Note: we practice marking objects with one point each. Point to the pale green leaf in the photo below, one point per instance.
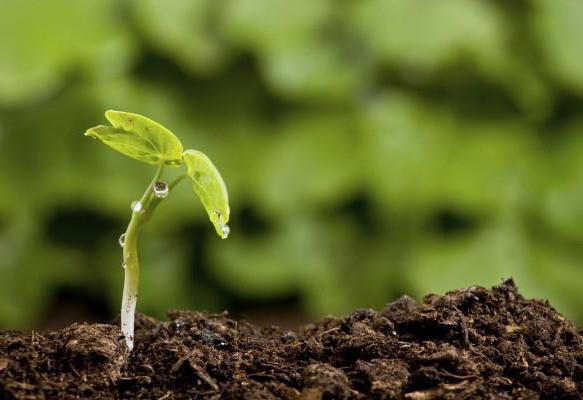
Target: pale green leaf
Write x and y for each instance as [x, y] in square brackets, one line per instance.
[139, 137]
[209, 186]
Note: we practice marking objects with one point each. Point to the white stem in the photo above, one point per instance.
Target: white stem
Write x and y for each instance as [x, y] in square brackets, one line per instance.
[128, 306]
[132, 264]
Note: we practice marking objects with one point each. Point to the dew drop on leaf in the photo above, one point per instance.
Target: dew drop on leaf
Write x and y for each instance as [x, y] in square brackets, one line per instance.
[222, 227]
[225, 230]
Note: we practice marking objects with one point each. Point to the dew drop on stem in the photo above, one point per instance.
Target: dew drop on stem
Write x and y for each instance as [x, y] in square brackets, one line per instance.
[122, 239]
[161, 189]
[136, 206]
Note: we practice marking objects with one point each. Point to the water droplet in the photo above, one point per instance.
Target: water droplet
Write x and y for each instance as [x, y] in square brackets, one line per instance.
[122, 239]
[137, 206]
[124, 265]
[161, 189]
[225, 230]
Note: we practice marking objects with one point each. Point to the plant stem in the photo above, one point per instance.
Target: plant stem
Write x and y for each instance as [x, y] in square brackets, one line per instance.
[176, 181]
[132, 265]
[154, 201]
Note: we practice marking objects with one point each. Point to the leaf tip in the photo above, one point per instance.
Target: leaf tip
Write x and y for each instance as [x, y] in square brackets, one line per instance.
[112, 115]
[219, 220]
[91, 132]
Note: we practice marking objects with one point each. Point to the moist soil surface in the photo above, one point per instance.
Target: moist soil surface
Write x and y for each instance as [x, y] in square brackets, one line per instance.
[468, 344]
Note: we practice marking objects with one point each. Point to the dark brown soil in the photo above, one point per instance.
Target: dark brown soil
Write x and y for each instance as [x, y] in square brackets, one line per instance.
[469, 344]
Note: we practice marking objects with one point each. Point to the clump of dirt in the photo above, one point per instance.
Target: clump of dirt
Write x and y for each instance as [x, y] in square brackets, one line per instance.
[469, 344]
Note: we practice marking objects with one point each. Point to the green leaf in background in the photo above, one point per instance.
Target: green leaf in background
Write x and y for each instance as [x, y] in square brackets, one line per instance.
[561, 205]
[407, 145]
[180, 29]
[42, 42]
[274, 24]
[139, 137]
[31, 269]
[454, 33]
[502, 249]
[450, 29]
[299, 60]
[557, 271]
[312, 70]
[557, 27]
[303, 255]
[484, 257]
[316, 160]
[209, 186]
[447, 159]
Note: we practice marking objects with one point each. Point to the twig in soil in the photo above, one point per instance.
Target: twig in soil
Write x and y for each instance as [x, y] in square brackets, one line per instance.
[201, 373]
[74, 370]
[144, 379]
[328, 331]
[465, 331]
[460, 377]
[442, 390]
[168, 393]
[464, 326]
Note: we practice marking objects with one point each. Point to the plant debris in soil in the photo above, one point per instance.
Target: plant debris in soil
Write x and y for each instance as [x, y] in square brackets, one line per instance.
[468, 344]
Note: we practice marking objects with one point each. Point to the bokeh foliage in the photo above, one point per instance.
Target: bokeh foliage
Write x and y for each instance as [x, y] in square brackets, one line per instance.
[370, 147]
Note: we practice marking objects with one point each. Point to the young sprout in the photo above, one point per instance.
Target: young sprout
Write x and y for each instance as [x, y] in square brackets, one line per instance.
[145, 140]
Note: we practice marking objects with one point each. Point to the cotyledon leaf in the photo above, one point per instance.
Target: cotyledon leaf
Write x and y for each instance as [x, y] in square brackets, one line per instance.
[209, 186]
[139, 137]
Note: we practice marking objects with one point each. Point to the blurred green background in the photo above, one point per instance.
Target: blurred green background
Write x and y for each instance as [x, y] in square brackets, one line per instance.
[371, 148]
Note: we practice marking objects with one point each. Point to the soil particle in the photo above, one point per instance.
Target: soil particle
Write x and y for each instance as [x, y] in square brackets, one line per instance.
[468, 344]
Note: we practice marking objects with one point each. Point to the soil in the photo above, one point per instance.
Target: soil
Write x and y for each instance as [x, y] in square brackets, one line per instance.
[468, 344]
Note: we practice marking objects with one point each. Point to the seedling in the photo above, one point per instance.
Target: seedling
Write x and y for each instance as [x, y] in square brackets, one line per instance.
[145, 140]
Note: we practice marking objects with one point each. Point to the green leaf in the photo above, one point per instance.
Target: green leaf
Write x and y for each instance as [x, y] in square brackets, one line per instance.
[139, 137]
[209, 186]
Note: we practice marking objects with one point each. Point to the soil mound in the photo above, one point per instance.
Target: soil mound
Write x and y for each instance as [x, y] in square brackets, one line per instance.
[469, 344]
